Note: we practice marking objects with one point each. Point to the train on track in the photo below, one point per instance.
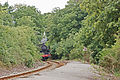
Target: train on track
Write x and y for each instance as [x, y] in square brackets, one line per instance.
[45, 51]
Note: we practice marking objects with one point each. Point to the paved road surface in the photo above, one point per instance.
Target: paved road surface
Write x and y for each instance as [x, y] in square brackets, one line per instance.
[72, 71]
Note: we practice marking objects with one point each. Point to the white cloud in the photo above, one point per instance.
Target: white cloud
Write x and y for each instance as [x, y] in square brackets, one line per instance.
[43, 5]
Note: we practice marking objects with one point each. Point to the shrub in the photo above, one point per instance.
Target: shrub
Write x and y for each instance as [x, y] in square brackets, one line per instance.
[110, 58]
[18, 45]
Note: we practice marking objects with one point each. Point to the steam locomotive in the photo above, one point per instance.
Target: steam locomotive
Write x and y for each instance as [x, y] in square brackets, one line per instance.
[46, 51]
[44, 48]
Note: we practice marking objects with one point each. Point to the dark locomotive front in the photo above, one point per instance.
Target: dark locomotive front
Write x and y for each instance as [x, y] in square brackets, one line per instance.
[46, 52]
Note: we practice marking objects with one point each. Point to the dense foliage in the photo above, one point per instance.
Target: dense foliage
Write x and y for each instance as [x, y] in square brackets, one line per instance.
[19, 35]
[111, 57]
[62, 25]
[86, 23]
[17, 46]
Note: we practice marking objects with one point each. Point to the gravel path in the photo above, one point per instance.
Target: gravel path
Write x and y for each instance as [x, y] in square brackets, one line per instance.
[72, 71]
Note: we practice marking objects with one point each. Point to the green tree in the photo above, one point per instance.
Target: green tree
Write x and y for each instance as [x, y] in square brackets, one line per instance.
[5, 17]
[103, 20]
[25, 21]
[61, 24]
[28, 11]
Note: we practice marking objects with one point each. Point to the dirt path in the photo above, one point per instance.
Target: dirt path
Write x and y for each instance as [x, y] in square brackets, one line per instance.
[72, 71]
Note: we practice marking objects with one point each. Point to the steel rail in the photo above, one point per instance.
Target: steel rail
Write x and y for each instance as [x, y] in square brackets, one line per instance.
[59, 64]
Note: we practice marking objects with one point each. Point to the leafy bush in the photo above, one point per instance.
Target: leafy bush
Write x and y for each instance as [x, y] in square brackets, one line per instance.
[110, 57]
[18, 45]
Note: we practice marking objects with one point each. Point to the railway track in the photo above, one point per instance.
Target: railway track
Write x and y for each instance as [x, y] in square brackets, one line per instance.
[56, 64]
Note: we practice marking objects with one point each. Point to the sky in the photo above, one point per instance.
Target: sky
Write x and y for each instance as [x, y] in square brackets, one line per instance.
[43, 5]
